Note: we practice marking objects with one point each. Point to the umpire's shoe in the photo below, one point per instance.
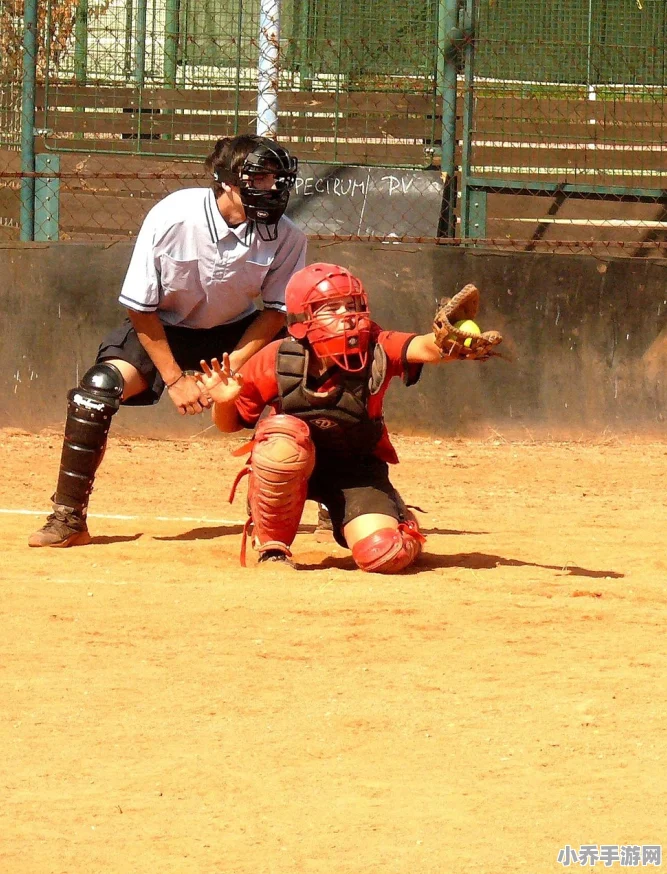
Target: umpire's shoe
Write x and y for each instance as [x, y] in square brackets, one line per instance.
[64, 527]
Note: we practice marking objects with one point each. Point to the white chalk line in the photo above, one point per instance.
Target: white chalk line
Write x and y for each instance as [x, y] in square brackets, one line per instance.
[122, 517]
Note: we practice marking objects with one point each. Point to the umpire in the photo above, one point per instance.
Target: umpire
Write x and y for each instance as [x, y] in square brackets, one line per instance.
[202, 259]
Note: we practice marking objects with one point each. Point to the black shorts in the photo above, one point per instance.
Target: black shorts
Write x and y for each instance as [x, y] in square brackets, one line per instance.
[353, 489]
[188, 345]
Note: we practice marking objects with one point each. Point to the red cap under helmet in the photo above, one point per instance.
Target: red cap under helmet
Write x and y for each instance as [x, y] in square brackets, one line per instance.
[309, 289]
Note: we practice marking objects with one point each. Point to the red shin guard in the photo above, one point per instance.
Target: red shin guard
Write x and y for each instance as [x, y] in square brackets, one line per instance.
[282, 460]
[389, 550]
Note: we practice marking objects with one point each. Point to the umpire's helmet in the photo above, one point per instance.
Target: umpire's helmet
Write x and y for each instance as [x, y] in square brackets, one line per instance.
[262, 206]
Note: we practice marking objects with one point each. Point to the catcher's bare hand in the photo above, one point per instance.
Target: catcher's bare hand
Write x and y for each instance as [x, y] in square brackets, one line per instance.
[219, 382]
[187, 396]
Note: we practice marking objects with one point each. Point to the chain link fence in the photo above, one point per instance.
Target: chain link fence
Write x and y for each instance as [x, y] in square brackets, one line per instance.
[566, 115]
[507, 123]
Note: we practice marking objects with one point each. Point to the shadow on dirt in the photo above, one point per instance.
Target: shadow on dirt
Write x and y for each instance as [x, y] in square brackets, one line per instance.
[205, 533]
[117, 538]
[482, 561]
[212, 532]
[427, 561]
[342, 563]
[450, 531]
[472, 560]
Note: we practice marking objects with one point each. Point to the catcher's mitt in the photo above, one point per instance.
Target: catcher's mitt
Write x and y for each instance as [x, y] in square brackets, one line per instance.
[451, 340]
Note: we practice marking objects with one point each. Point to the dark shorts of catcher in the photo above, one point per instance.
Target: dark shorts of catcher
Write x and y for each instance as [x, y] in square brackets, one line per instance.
[188, 346]
[362, 486]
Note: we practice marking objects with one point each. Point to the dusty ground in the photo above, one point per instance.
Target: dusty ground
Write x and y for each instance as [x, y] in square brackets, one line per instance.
[164, 710]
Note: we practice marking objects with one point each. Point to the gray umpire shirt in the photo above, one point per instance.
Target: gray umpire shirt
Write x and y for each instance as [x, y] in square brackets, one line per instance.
[193, 270]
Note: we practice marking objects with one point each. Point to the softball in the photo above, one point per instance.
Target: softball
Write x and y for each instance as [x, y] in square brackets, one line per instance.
[470, 327]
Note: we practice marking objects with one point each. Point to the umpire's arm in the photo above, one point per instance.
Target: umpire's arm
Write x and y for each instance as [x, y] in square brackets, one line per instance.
[258, 333]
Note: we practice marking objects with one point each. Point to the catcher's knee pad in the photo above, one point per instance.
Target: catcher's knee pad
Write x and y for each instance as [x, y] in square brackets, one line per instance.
[89, 411]
[389, 550]
[282, 460]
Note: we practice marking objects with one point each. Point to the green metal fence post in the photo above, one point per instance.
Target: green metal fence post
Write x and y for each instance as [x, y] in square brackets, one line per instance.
[140, 43]
[468, 24]
[171, 29]
[129, 15]
[47, 198]
[28, 120]
[81, 41]
[140, 62]
[239, 57]
[448, 37]
[304, 46]
[475, 216]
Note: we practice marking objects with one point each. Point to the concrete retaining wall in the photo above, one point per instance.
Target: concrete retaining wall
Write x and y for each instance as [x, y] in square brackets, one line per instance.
[588, 337]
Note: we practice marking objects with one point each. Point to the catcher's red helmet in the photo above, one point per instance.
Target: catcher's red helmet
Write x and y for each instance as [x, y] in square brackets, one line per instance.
[342, 336]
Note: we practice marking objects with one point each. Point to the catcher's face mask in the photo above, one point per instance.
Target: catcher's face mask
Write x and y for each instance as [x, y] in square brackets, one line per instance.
[328, 307]
[265, 180]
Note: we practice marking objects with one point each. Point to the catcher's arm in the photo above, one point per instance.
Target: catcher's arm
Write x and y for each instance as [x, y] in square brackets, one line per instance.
[423, 349]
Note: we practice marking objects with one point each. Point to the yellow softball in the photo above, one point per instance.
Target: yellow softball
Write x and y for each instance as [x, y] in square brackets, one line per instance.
[469, 327]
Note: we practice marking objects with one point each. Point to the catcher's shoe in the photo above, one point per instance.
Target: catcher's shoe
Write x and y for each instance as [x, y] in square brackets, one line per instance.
[275, 555]
[64, 527]
[324, 527]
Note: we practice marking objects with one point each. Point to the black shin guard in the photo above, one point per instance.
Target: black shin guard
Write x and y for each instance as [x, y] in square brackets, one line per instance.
[89, 411]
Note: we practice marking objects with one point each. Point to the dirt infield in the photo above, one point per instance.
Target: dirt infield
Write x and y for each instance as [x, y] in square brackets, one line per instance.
[164, 710]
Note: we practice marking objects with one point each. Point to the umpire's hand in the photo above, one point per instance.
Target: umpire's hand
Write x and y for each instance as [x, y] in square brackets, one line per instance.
[188, 396]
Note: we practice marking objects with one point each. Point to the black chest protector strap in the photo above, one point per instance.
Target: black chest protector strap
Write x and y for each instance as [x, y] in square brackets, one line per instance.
[340, 422]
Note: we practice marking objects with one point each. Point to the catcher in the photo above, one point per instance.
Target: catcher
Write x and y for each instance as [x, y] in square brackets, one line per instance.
[324, 437]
